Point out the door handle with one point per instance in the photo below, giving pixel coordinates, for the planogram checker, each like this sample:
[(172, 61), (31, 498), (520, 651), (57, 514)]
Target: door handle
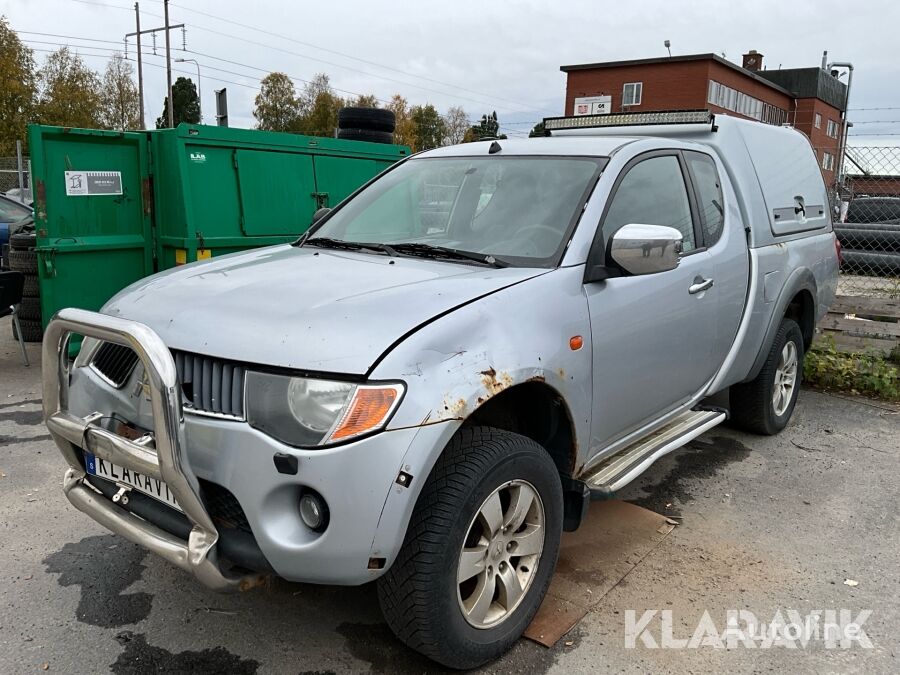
[(700, 284)]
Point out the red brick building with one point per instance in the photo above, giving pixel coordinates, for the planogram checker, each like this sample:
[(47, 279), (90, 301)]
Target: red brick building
[(810, 99)]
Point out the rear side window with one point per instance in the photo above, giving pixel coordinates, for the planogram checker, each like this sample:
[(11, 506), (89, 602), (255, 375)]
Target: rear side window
[(652, 193), (709, 195)]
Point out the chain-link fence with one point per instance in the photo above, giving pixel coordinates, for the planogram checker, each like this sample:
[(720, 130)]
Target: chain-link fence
[(868, 222), (9, 177)]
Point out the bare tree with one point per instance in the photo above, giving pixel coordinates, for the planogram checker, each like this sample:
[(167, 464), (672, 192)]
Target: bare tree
[(457, 123)]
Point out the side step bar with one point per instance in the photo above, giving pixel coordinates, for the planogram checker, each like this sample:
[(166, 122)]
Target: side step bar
[(620, 469)]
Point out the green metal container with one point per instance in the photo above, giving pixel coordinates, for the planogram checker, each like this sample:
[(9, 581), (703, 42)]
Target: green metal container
[(225, 190), (113, 207), (92, 214)]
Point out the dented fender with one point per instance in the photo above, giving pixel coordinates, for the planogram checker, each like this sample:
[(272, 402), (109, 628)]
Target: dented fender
[(455, 364)]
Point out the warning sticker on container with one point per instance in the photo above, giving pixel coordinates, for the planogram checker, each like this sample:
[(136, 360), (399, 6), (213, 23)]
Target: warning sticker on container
[(87, 183)]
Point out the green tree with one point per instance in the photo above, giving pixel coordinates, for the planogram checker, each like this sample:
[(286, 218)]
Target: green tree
[(277, 106), (120, 103), (456, 121), (488, 128), (538, 130), (186, 107), (322, 117), (18, 88), (430, 127), (69, 92)]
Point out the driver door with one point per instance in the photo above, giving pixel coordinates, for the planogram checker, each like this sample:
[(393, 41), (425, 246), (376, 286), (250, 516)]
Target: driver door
[(652, 334)]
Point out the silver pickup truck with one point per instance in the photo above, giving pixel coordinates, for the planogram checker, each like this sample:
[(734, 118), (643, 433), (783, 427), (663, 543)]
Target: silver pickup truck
[(431, 385)]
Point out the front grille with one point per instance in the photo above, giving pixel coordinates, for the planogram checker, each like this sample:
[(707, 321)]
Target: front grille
[(210, 385), (115, 362), (223, 507)]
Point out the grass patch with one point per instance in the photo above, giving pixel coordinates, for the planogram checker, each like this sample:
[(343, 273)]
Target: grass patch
[(871, 373)]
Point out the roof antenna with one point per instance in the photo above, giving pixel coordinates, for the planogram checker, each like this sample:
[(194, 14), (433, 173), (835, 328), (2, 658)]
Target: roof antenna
[(668, 44), (495, 148)]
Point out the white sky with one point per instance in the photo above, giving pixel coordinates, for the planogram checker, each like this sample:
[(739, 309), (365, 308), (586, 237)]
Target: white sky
[(480, 55)]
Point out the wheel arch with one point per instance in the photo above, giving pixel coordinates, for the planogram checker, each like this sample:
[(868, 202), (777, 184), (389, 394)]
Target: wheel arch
[(538, 411), (797, 301)]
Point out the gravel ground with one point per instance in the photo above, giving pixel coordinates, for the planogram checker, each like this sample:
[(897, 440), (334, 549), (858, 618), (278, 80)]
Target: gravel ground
[(765, 524)]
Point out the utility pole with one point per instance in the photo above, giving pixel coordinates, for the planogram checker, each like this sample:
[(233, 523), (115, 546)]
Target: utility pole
[(171, 105), (137, 22), (153, 31)]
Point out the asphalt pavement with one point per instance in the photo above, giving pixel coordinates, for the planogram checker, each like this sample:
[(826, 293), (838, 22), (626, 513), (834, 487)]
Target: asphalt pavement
[(797, 523)]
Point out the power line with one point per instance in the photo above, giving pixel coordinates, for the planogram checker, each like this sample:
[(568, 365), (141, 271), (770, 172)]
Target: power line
[(526, 107), (345, 55), (889, 108)]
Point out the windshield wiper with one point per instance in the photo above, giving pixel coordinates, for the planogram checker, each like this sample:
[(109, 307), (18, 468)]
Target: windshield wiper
[(431, 251), (328, 242)]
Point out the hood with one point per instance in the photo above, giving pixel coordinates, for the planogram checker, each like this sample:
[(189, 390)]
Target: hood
[(303, 308)]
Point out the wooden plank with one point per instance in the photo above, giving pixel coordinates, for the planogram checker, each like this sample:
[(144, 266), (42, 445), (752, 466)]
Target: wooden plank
[(866, 306), (884, 330), (851, 343)]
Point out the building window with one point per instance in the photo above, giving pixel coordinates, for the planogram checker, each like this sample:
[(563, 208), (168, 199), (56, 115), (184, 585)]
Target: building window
[(832, 129), (631, 93), (818, 121), (744, 104), (827, 161)]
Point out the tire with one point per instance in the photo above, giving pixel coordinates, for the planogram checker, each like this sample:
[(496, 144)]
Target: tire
[(753, 407), (23, 261), (30, 308), (32, 287), (22, 241), (420, 597), (373, 119), (855, 262), (366, 135), (32, 331), (876, 240)]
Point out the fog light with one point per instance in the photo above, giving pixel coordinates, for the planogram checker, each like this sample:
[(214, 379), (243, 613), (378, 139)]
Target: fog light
[(313, 511)]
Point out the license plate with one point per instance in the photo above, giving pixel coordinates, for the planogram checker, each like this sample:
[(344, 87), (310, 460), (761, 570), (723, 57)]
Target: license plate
[(137, 481)]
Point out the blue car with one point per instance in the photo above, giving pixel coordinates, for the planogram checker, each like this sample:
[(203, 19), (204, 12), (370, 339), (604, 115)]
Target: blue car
[(11, 214)]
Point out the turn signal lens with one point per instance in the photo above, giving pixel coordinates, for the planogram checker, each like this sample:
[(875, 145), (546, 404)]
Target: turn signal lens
[(576, 342), (369, 409)]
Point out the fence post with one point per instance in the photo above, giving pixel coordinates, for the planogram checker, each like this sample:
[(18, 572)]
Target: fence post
[(20, 168)]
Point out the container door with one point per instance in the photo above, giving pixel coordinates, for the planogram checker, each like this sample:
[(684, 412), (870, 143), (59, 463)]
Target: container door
[(278, 192), (338, 177), (92, 214)]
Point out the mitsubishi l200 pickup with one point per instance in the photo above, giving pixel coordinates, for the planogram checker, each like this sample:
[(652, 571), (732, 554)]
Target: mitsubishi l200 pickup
[(428, 387)]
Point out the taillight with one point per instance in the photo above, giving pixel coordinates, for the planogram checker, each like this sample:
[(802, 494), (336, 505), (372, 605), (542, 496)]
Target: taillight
[(837, 250)]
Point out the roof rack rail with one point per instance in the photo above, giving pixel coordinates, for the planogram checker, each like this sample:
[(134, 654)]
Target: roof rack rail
[(631, 119)]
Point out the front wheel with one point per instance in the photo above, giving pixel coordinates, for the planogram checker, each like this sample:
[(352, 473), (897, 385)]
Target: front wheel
[(765, 404), (480, 549)]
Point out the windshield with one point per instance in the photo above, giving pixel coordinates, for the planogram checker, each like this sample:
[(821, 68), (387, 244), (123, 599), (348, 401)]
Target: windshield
[(517, 210)]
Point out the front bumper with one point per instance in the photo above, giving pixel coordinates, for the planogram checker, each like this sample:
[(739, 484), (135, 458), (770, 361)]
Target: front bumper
[(357, 480), (158, 455)]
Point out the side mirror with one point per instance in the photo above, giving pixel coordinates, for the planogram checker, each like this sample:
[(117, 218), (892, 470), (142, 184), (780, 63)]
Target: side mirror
[(646, 249), (319, 214)]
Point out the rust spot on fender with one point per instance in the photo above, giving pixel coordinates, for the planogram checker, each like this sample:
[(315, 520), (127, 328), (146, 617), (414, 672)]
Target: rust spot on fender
[(495, 382), (562, 373), (537, 378), (454, 408)]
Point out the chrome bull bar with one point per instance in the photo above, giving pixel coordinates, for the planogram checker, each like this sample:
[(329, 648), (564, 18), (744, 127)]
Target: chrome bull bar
[(158, 455)]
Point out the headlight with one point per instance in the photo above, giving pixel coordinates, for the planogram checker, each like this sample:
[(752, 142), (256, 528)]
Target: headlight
[(306, 412)]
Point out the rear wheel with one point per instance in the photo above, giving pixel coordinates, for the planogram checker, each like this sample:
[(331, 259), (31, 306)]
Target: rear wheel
[(765, 404), (480, 549)]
